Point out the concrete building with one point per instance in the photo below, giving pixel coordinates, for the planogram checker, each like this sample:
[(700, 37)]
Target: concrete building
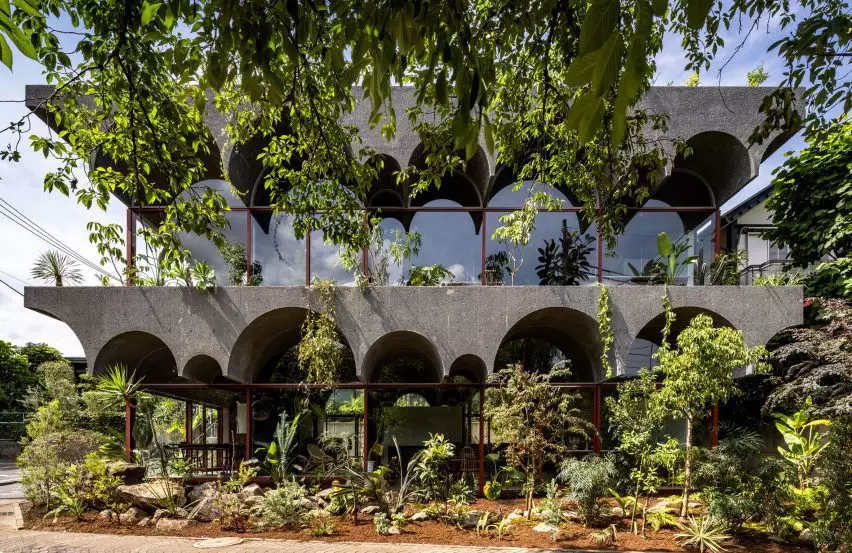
[(418, 357)]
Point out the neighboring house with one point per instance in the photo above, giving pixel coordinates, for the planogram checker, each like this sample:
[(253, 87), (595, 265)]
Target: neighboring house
[(232, 350), (743, 227)]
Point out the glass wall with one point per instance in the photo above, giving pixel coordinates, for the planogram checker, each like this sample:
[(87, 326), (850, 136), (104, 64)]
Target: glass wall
[(449, 239), (276, 250)]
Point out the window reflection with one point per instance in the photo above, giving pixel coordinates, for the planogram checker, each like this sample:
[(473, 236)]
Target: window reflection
[(276, 249), (384, 271), (203, 249), (326, 262), (450, 240)]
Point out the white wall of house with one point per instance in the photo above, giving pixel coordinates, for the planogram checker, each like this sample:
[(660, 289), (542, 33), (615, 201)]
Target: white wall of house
[(758, 248)]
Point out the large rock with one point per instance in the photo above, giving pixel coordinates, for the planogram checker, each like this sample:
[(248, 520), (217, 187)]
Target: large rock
[(306, 504), (131, 516), (250, 490), (370, 509), (511, 517), (207, 489), (130, 473), (150, 496), (419, 516), (544, 528), (203, 510), (174, 524)]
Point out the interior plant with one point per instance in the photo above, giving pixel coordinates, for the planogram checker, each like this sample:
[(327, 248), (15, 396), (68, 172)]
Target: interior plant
[(532, 420), (703, 534), (589, 481), (804, 440), (698, 372), (565, 263), (320, 349), (672, 262)]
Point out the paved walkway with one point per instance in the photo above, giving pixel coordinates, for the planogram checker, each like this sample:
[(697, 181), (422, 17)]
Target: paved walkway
[(27, 541)]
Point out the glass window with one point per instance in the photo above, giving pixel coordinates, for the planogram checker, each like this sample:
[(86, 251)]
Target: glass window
[(449, 239), (326, 262), (383, 270), (205, 250), (275, 249)]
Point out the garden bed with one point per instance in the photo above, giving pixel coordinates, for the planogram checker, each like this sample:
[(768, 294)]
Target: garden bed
[(572, 535)]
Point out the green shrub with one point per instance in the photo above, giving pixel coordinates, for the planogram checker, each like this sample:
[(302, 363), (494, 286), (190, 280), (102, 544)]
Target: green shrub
[(833, 529), (431, 473), (589, 481), (279, 506), (550, 508)]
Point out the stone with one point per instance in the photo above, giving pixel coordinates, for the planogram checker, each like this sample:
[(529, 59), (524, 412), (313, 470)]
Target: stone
[(131, 516), (471, 519), (514, 516), (203, 510), (252, 489), (130, 473), (806, 535), (306, 504), (394, 531), (159, 513), (324, 493), (544, 528), (107, 514), (253, 500), (616, 512), (369, 509), (153, 495), (660, 507), (572, 516), (207, 489), (144, 522), (318, 513), (419, 516), (174, 524)]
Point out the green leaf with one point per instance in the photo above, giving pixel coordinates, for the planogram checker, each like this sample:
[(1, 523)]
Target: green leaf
[(696, 13), (149, 11), (24, 6), (606, 70), (5, 53), (664, 245), (22, 42), (586, 116), (599, 23), (581, 69), (659, 7)]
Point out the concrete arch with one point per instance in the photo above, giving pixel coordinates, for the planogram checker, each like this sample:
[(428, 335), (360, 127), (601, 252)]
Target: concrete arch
[(469, 366), (261, 339), (573, 332), (400, 343), (141, 352), (721, 160), (202, 368)]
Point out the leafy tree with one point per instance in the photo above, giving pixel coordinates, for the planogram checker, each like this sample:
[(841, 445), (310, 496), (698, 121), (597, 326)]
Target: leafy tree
[(757, 76), (57, 268), (833, 530), (809, 197), (234, 255), (15, 376), (497, 265), (38, 353), (699, 373), (428, 275), (561, 85), (565, 264), (693, 80), (532, 420), (814, 360)]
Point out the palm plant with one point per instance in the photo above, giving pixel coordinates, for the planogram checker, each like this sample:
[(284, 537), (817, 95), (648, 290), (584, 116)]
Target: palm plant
[(57, 268), (705, 534), (281, 454)]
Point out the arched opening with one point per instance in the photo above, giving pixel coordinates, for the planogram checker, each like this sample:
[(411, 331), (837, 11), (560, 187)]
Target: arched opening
[(551, 336), (203, 368), (720, 160), (448, 240), (144, 355), (468, 368), (562, 250), (402, 357)]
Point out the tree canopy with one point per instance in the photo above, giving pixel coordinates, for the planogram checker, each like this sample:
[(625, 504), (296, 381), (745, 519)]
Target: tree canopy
[(551, 85), (810, 202)]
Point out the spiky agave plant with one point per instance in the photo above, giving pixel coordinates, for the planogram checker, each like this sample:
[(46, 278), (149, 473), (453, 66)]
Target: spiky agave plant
[(57, 268), (705, 534)]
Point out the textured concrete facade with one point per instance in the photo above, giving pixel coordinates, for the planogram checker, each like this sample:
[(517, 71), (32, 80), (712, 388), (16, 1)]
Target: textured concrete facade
[(235, 330)]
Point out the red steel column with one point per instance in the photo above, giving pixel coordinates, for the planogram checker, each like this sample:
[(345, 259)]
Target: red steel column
[(129, 421), (483, 279), (481, 439), (714, 426), (249, 246), (187, 423), (600, 253), (308, 259), (717, 231), (366, 438), (248, 424), (597, 419), (130, 244)]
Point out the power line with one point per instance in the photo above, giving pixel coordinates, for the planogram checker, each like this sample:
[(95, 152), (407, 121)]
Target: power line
[(22, 281), (15, 290), (39, 232)]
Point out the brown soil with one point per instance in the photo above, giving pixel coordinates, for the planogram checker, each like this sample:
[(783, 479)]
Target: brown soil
[(432, 532)]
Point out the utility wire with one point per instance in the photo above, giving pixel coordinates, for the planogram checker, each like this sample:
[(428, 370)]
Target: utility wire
[(38, 231), (15, 290), (22, 281)]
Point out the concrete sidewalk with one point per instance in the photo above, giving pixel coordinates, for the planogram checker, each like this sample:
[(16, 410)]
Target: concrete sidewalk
[(27, 541)]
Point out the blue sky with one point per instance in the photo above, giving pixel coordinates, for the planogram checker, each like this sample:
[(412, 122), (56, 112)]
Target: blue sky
[(21, 185)]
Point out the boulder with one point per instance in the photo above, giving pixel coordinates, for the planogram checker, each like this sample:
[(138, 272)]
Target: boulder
[(144, 522), (318, 513), (369, 509), (806, 535), (203, 510), (153, 495), (544, 528), (513, 516), (253, 500), (306, 504), (572, 516), (207, 489), (250, 490), (420, 516), (394, 531), (617, 512), (107, 514), (323, 494), (471, 519), (130, 473), (131, 516), (174, 524)]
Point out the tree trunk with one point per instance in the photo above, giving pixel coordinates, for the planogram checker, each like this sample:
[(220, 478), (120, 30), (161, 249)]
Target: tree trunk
[(636, 497), (684, 508)]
